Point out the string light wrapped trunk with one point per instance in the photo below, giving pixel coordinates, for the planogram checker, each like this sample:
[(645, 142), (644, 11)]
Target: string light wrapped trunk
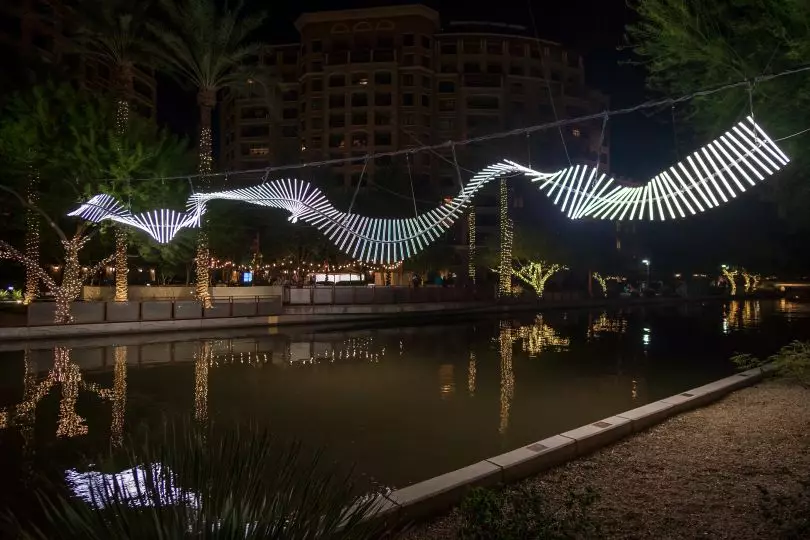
[(505, 228), (536, 273), (32, 237), (731, 277), (121, 264), (602, 282), (206, 99), (471, 228)]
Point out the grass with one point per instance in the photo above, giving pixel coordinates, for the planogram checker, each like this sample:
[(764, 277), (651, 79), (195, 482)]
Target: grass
[(791, 362)]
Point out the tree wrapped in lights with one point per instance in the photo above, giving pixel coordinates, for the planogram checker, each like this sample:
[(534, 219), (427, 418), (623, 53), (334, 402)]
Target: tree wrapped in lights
[(471, 228), (601, 281), (505, 226), (536, 273), (204, 45), (114, 32), (750, 280), (731, 276)]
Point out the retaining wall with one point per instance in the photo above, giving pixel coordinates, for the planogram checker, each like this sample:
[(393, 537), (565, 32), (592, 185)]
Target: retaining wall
[(441, 492)]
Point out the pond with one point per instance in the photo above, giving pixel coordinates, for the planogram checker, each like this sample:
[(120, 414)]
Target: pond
[(400, 403)]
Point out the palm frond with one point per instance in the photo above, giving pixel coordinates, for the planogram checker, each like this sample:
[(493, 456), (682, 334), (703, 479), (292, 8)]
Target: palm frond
[(195, 482)]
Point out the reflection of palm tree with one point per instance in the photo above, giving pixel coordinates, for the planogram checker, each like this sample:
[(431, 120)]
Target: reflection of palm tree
[(119, 396), (507, 375), (202, 361), (203, 46)]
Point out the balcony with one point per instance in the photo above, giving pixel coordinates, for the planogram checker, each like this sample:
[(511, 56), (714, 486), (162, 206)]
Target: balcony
[(482, 81), (364, 56)]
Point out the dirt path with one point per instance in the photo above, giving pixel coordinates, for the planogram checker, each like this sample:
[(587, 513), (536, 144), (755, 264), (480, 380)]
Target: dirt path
[(696, 475)]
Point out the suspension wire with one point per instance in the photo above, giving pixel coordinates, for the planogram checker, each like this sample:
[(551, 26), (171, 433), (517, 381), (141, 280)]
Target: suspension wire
[(458, 171), (601, 140), (675, 135), (356, 189), (548, 83), (751, 108), (495, 135), (410, 177)]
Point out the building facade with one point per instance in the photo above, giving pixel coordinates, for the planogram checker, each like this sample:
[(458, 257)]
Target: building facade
[(370, 81), (38, 31)]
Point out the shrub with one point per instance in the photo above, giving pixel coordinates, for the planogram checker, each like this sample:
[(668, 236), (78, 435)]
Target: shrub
[(791, 362), (191, 482), (523, 512)]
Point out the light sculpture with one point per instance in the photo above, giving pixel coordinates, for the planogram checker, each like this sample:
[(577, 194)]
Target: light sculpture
[(707, 178)]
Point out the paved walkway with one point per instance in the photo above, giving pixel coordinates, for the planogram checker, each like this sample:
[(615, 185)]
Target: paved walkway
[(696, 475)]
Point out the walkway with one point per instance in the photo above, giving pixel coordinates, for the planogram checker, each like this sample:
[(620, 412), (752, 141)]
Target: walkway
[(695, 475)]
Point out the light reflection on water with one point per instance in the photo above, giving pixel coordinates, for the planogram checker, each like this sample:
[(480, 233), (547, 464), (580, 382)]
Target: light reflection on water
[(392, 400)]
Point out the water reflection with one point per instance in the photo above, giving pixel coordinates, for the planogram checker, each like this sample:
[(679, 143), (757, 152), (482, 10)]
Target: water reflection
[(539, 336), (505, 341), (375, 395), (739, 314)]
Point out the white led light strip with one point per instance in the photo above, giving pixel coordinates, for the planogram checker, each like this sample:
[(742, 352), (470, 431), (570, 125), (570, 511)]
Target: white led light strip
[(709, 176)]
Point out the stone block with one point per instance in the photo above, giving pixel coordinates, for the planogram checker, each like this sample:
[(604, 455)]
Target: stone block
[(300, 296), (123, 311), (344, 295), (363, 295), (648, 415), (220, 309), (269, 306), (87, 312), (244, 307), (593, 436), (41, 313), (440, 492), (187, 309), (156, 310), (323, 295), (535, 457), (383, 295)]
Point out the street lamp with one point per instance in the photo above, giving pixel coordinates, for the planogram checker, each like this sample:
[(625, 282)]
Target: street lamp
[(646, 262)]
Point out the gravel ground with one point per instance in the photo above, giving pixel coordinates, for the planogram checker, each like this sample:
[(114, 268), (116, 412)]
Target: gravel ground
[(693, 476)]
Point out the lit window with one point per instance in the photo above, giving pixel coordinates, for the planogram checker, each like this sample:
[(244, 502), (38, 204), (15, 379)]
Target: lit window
[(576, 132), (259, 150)]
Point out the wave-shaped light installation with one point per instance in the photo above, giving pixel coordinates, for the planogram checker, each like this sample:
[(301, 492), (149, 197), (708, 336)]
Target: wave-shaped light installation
[(708, 177)]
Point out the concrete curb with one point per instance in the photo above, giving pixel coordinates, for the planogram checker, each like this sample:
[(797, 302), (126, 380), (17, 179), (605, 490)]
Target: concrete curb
[(442, 492)]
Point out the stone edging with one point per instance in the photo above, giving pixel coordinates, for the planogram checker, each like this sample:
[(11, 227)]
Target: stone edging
[(442, 492)]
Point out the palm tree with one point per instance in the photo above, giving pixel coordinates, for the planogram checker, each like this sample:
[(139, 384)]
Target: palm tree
[(205, 45), (115, 33)]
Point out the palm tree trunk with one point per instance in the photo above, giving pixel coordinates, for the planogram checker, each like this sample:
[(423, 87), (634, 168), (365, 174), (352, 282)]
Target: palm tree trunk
[(32, 239), (125, 89), (121, 266), (206, 99)]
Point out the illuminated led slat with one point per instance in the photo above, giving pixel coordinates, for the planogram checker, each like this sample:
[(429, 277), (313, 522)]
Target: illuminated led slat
[(743, 154)]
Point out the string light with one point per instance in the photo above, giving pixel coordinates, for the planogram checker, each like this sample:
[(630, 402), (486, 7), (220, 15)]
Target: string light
[(202, 361), (119, 396), (615, 325), (70, 424), (471, 237), (505, 227), (751, 280), (736, 156), (602, 282), (536, 273), (731, 277), (32, 239), (539, 336), (507, 375), (471, 372), (121, 266), (203, 256)]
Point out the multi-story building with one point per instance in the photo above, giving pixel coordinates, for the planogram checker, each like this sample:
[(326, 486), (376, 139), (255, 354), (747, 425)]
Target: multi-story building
[(382, 79), (38, 31)]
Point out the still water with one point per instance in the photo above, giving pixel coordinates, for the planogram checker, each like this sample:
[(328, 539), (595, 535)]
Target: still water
[(402, 404)]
